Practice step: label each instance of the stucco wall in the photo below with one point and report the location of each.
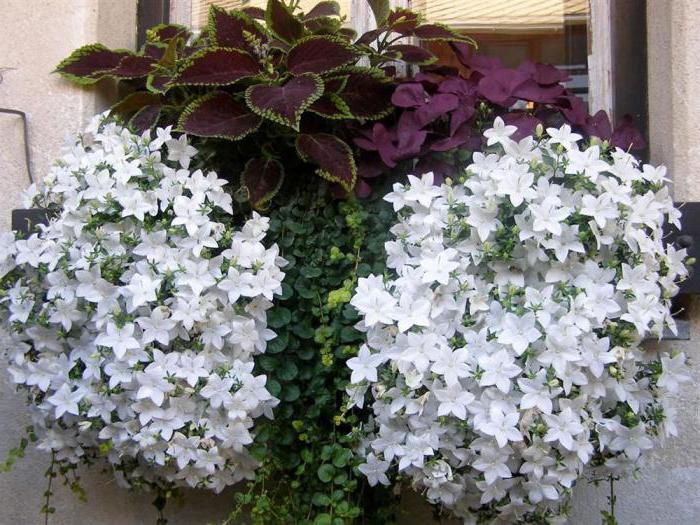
(38, 33)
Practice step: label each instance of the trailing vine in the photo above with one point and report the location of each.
(308, 473)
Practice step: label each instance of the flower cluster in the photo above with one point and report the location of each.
(136, 313)
(502, 350)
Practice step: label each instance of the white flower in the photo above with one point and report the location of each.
(364, 366)
(519, 332)
(119, 333)
(499, 133)
(375, 470)
(180, 150)
(66, 400)
(492, 329)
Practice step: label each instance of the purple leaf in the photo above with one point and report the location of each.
(262, 177)
(403, 21)
(498, 86)
(598, 125)
(544, 74)
(413, 54)
(438, 106)
(484, 64)
(87, 64)
(326, 107)
(219, 115)
(217, 67)
(285, 104)
(458, 86)
(369, 36)
(464, 113)
(370, 166)
(228, 28)
(332, 156)
(362, 189)
(531, 90)
(410, 135)
(456, 140)
(525, 123)
(381, 141)
(409, 95)
(282, 22)
(627, 136)
(574, 109)
(319, 54)
(462, 51)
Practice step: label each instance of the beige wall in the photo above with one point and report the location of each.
(38, 33)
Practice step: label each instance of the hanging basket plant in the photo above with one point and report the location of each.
(501, 358)
(136, 313)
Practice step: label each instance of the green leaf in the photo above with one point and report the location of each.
(279, 343)
(380, 9)
(320, 500)
(326, 472)
(323, 519)
(341, 457)
(291, 393)
(279, 317)
(287, 371)
(273, 387)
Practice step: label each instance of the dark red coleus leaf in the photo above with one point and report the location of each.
(262, 178)
(319, 54)
(366, 95)
(347, 33)
(219, 115)
(369, 36)
(157, 83)
(217, 67)
(166, 32)
(403, 21)
(285, 104)
(413, 54)
(409, 95)
(133, 67)
(327, 107)
(135, 101)
(87, 64)
(462, 51)
(430, 32)
(155, 51)
(227, 28)
(254, 12)
(146, 117)
(282, 22)
(333, 157)
(323, 9)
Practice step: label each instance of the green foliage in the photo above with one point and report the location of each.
(308, 474)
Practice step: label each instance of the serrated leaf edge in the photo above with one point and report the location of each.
(193, 105)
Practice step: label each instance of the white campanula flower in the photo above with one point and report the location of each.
(135, 315)
(502, 347)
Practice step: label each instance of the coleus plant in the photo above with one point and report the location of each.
(279, 85)
(441, 113)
